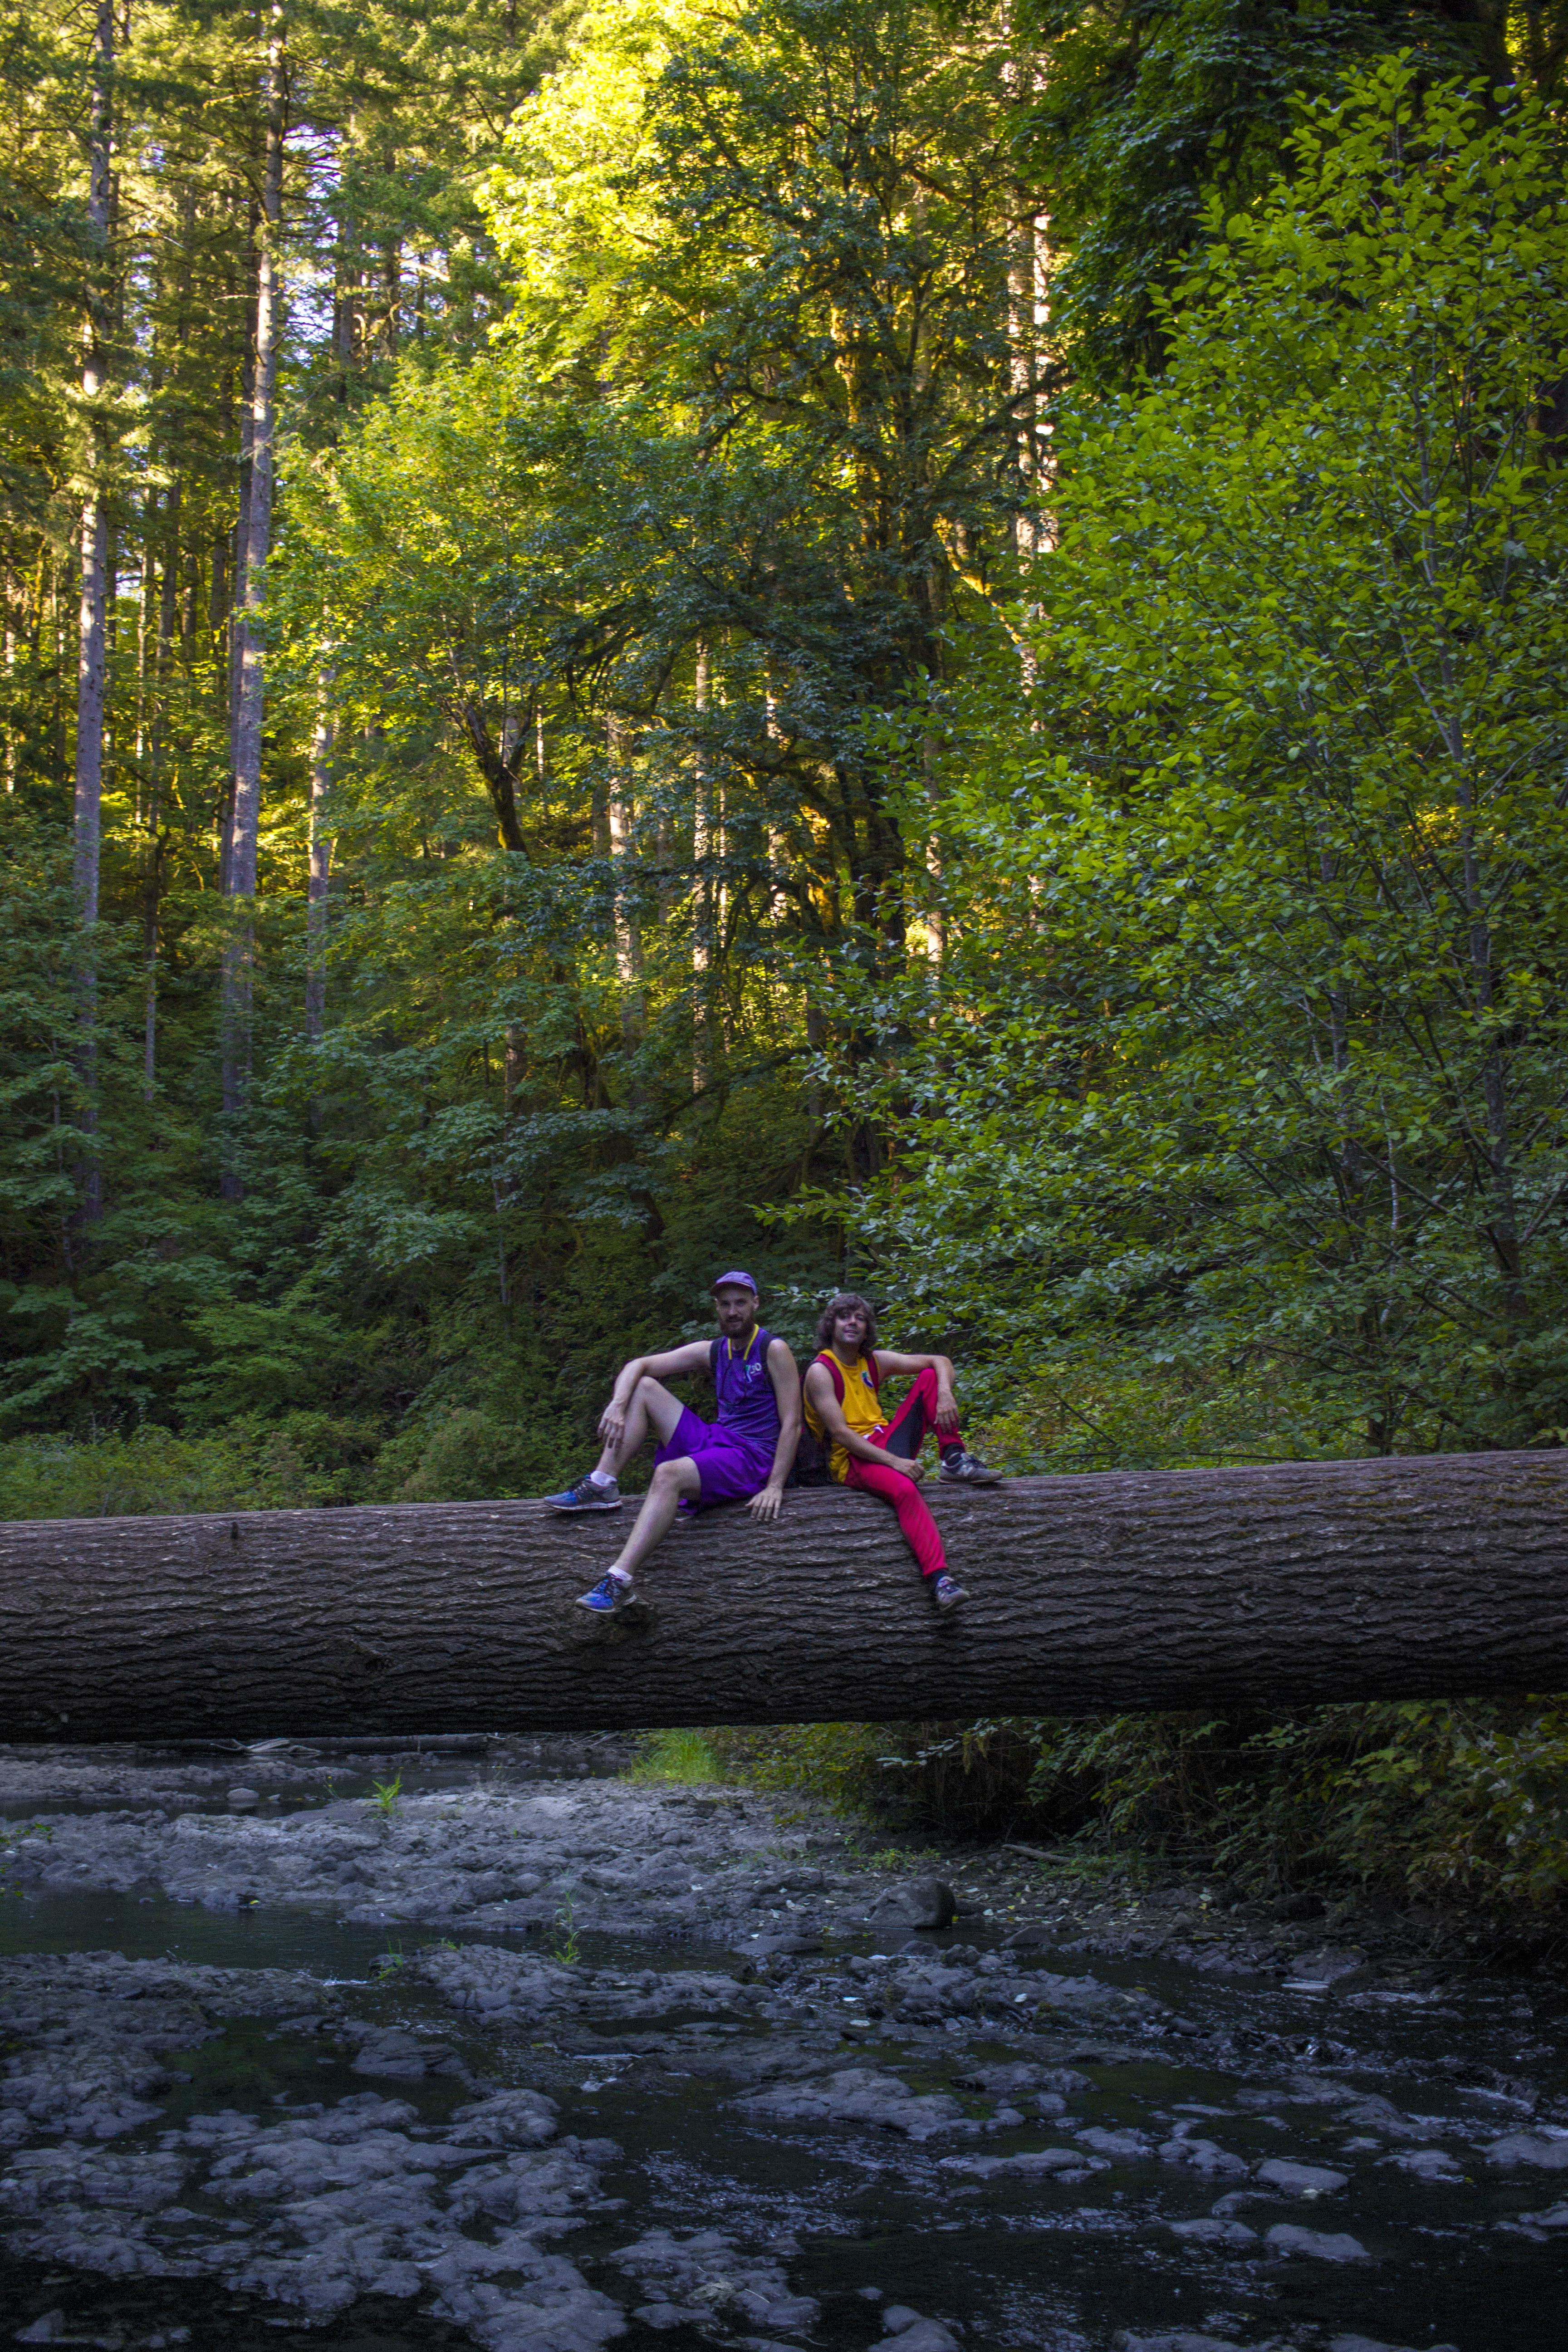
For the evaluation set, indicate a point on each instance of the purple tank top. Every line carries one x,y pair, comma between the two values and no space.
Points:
747,1404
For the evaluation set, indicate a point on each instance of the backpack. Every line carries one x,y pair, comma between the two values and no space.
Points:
813,1456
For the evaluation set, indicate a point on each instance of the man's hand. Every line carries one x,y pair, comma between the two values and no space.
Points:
915,1470
612,1422
946,1410
766,1503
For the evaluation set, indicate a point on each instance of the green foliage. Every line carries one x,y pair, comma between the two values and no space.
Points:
963,1780
125,1474
832,1763
1459,1803
1089,1404
1451,1800
566,1947
679,1757
1243,1057
11,1835
384,1795
1150,111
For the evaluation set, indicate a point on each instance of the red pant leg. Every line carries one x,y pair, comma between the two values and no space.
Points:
906,1432
919,1527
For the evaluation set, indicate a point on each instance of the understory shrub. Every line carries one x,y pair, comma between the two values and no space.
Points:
149,1470
1464,1800
957,1780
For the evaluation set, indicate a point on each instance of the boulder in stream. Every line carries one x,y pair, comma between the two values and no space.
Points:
918,1903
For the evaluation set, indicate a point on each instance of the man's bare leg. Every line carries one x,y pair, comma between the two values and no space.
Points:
670,1482
650,1409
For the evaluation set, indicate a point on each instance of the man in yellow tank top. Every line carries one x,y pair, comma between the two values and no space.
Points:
869,1447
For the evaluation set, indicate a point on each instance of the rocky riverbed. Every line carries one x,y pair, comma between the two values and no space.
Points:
501,2048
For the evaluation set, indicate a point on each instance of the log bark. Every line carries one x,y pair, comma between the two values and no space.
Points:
1303,1582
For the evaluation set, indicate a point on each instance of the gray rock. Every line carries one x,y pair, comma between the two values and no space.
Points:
919,1903
1376,2343
1547,2153
1075,1996
506,2119
1027,2164
1210,2231
1201,2156
1433,2164
245,1796
1326,1967
706,2271
406,2057
75,2175
1181,2339
1115,2143
1300,2180
860,2094
1324,2246
914,2334
1003,2082
1554,2217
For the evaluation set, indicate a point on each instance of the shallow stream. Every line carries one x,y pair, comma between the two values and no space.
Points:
298,2094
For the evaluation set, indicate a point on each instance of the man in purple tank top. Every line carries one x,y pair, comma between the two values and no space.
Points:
743,1457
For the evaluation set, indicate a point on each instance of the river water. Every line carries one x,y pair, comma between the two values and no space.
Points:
532,2064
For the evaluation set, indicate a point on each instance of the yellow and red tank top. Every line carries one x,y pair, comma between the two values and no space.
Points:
858,1386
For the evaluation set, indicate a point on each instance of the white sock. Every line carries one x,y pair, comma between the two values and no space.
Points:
622,1575
600,1478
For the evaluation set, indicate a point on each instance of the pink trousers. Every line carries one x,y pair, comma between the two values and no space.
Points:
904,1436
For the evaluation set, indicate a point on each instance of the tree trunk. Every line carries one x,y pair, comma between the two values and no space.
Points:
92,641
232,620
707,849
163,674
8,748
623,843
319,874
239,954
1415,1577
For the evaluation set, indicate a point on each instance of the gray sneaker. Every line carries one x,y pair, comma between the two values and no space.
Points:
948,1593
587,1494
963,1470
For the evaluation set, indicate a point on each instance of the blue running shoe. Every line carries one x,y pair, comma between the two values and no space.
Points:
610,1593
949,1594
589,1494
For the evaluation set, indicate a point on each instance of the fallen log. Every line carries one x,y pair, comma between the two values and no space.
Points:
1286,1585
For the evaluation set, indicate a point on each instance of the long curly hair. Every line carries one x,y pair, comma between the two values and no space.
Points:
840,1304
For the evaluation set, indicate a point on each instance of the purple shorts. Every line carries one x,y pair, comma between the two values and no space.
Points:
730,1469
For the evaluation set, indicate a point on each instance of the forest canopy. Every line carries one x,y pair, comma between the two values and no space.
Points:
907,642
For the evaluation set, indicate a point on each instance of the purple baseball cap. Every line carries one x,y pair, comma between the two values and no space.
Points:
736,1276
